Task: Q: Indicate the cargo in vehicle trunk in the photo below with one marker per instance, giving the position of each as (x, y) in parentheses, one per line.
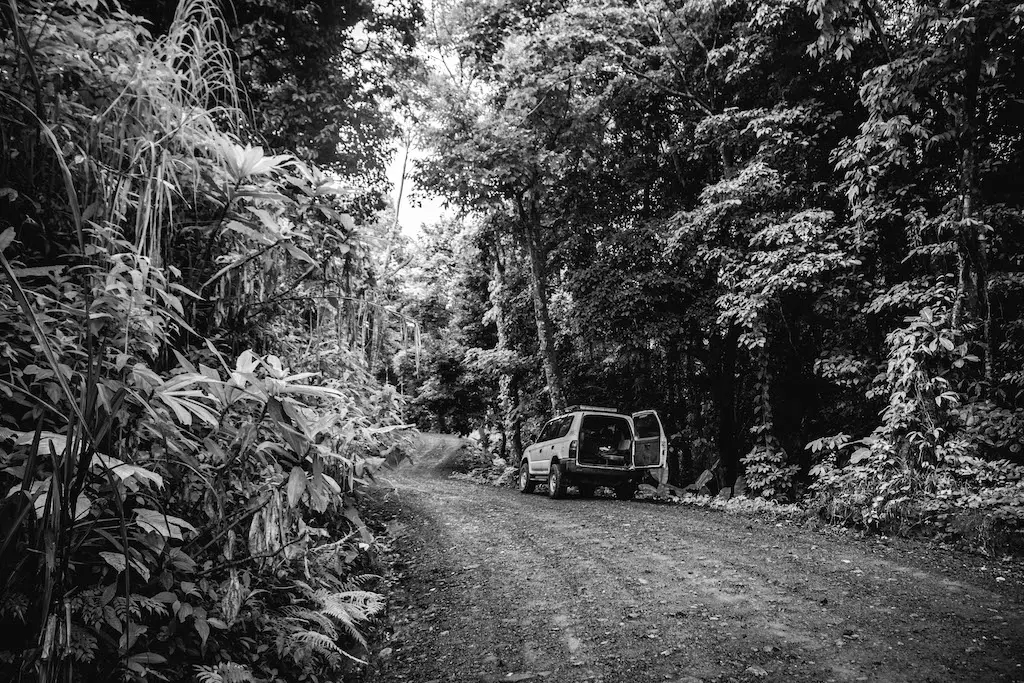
(605, 441)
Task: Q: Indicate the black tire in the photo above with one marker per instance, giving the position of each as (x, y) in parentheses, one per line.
(556, 482)
(525, 483)
(587, 490)
(625, 491)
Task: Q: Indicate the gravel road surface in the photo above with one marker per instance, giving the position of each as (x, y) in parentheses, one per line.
(494, 585)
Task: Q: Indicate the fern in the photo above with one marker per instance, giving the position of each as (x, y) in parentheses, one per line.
(322, 644)
(350, 607)
(82, 644)
(360, 580)
(227, 672)
(311, 630)
(306, 616)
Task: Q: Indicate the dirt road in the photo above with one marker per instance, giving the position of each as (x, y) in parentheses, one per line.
(500, 586)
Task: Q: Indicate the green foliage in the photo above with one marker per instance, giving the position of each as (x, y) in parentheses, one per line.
(765, 467)
(928, 461)
(313, 630)
(445, 289)
(318, 77)
(227, 672)
(176, 483)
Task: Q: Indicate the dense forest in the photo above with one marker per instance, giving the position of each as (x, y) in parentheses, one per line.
(794, 229)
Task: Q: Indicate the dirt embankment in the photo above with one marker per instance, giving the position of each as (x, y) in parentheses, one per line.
(498, 586)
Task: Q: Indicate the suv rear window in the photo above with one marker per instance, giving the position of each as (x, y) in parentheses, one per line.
(646, 426)
(609, 429)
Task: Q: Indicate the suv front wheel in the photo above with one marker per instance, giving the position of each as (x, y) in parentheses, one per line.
(525, 483)
(556, 481)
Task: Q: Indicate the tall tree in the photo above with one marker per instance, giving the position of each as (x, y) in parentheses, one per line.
(503, 143)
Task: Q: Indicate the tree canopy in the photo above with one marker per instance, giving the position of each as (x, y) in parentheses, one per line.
(791, 228)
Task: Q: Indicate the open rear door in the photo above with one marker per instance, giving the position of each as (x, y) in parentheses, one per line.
(650, 447)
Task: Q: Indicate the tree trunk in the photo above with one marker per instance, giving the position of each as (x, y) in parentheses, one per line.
(681, 458)
(972, 302)
(724, 396)
(545, 330)
(485, 438)
(511, 425)
(508, 389)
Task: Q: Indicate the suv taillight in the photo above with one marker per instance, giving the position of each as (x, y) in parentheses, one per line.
(573, 448)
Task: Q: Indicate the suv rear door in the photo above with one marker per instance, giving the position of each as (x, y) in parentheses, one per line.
(650, 447)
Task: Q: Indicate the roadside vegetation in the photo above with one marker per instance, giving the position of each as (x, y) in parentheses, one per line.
(189, 324)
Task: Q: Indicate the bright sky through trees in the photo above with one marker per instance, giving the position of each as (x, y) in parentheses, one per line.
(417, 207)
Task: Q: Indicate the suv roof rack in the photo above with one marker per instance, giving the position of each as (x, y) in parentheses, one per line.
(596, 409)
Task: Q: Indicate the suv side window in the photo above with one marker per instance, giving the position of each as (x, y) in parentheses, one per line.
(563, 427)
(549, 431)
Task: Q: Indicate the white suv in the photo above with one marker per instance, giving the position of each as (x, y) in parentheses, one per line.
(589, 446)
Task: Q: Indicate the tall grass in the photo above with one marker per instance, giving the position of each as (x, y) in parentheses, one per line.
(174, 114)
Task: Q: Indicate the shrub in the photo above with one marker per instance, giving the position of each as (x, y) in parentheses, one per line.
(927, 465)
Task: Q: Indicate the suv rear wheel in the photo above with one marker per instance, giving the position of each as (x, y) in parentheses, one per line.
(556, 481)
(525, 483)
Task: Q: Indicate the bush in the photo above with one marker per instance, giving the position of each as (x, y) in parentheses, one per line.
(924, 468)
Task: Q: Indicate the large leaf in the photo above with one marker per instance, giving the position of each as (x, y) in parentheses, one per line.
(125, 471)
(296, 485)
(59, 442)
(168, 526)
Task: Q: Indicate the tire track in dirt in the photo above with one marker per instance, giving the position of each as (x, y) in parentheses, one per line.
(501, 586)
